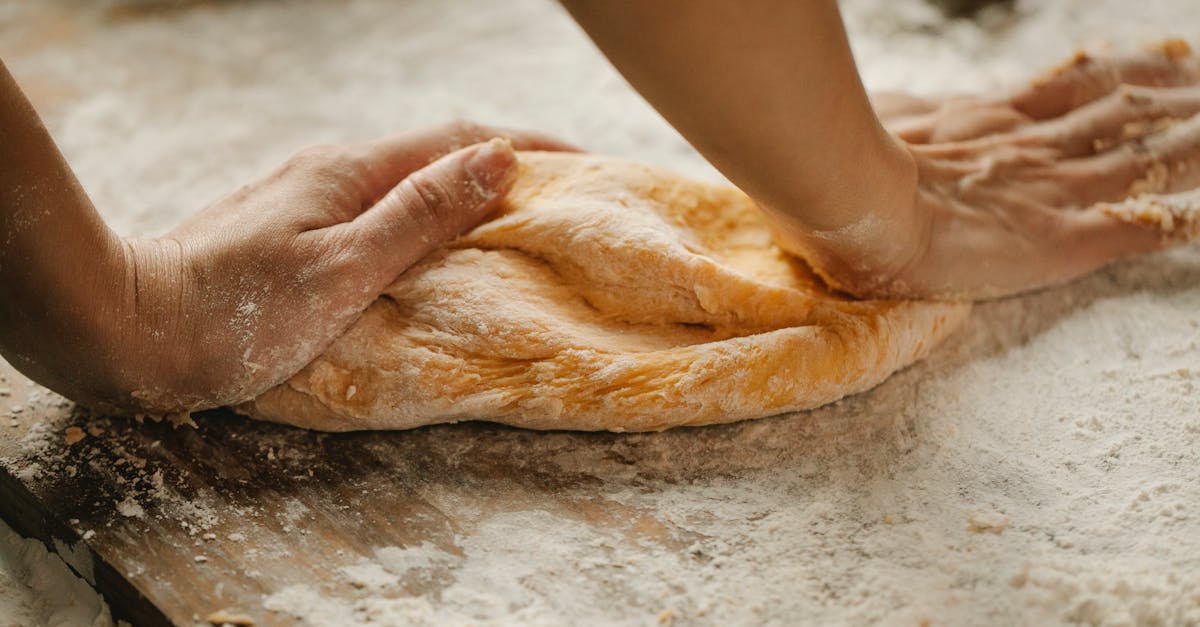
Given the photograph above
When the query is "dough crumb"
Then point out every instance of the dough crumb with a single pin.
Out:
(130, 508)
(1176, 215)
(1174, 48)
(74, 435)
(179, 419)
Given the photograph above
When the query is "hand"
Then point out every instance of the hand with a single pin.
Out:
(1082, 167)
(247, 292)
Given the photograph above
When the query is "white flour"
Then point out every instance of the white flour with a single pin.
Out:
(37, 588)
(1042, 468)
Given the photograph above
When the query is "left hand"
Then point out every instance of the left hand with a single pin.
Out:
(248, 291)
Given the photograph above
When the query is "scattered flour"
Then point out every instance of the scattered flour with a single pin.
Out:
(130, 508)
(1040, 469)
(37, 588)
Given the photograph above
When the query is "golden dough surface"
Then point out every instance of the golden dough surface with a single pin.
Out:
(605, 295)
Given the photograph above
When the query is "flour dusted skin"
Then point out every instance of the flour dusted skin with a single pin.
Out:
(605, 295)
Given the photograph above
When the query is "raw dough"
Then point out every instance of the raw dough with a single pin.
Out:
(605, 295)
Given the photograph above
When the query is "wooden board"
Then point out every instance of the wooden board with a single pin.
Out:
(171, 524)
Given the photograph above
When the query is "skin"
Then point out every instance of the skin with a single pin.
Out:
(964, 198)
(957, 198)
(243, 294)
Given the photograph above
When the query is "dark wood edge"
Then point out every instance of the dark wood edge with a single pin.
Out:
(24, 513)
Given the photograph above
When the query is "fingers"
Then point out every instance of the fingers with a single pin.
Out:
(389, 160)
(1096, 237)
(1127, 113)
(891, 106)
(957, 125)
(1164, 162)
(1175, 218)
(1111, 231)
(434, 204)
(1088, 240)
(1084, 78)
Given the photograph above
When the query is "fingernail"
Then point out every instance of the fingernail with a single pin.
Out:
(493, 164)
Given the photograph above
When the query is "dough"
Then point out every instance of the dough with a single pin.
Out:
(605, 295)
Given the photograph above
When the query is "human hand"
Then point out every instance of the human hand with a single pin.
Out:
(248, 291)
(1090, 163)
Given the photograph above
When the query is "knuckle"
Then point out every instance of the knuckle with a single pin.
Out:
(314, 155)
(324, 159)
(344, 253)
(431, 202)
(331, 166)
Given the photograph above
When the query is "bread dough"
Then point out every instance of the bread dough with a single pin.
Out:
(605, 295)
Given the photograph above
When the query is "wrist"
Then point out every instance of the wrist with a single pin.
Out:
(868, 229)
(169, 364)
(872, 179)
(81, 334)
(143, 364)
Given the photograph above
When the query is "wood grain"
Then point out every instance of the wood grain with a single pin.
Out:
(171, 524)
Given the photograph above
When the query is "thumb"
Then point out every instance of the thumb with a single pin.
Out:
(436, 203)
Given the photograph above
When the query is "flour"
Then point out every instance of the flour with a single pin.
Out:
(37, 588)
(130, 508)
(1039, 469)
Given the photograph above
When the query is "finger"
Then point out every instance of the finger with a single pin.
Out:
(435, 204)
(955, 126)
(1175, 218)
(1165, 162)
(1093, 238)
(983, 161)
(388, 160)
(1089, 240)
(947, 118)
(1127, 113)
(1085, 78)
(891, 106)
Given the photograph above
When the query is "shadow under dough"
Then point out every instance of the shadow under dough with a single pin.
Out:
(870, 432)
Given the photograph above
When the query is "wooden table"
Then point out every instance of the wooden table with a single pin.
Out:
(173, 523)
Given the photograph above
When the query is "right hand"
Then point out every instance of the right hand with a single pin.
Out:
(1037, 188)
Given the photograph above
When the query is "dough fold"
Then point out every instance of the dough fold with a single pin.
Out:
(605, 295)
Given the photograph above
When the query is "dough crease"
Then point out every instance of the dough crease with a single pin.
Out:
(605, 295)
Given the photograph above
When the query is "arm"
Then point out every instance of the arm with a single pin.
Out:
(768, 91)
(63, 279)
(985, 197)
(240, 296)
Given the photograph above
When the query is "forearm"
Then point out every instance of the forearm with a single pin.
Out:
(767, 90)
(62, 271)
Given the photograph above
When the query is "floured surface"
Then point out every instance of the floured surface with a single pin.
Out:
(1039, 468)
(606, 295)
(38, 588)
